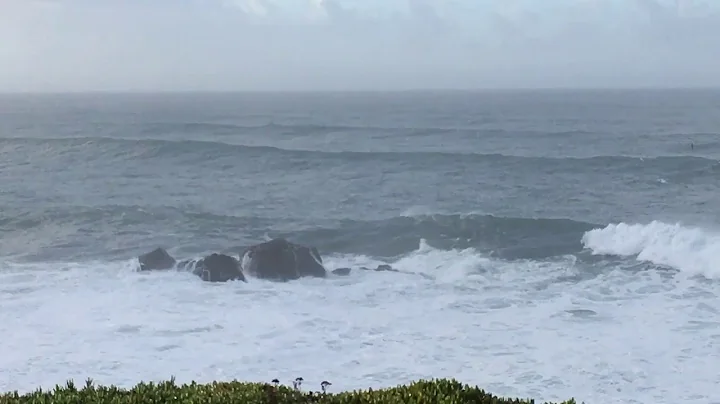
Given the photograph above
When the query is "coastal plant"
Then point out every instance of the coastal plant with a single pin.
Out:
(435, 391)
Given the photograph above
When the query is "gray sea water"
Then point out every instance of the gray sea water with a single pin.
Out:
(569, 240)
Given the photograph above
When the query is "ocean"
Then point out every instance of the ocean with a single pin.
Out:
(553, 244)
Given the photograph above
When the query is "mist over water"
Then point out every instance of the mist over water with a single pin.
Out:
(551, 244)
(241, 45)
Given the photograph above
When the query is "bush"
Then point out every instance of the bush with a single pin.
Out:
(421, 392)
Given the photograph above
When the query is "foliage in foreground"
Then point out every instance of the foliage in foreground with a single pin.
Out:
(421, 392)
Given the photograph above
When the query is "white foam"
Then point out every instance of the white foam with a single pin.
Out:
(448, 266)
(514, 328)
(417, 211)
(245, 262)
(689, 249)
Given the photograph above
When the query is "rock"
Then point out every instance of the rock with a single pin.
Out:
(157, 259)
(386, 267)
(277, 259)
(281, 260)
(341, 271)
(381, 268)
(218, 268)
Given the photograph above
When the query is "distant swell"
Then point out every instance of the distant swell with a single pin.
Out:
(201, 150)
(205, 128)
(685, 248)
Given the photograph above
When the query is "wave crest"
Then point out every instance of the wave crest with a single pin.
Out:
(687, 249)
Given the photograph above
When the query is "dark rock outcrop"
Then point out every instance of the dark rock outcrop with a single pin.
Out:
(157, 259)
(219, 268)
(281, 260)
(277, 259)
(212, 268)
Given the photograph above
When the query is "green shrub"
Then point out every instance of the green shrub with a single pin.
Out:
(439, 391)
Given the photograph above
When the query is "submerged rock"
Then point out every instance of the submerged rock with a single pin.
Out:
(379, 268)
(341, 271)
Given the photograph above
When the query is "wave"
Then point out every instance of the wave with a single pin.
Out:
(689, 249)
(452, 265)
(149, 148)
(461, 270)
(448, 248)
(503, 237)
(65, 230)
(205, 128)
(705, 140)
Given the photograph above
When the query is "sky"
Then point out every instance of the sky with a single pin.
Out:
(286, 45)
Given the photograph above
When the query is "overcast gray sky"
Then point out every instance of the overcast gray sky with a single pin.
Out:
(186, 45)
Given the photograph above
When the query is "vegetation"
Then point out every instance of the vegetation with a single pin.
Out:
(440, 391)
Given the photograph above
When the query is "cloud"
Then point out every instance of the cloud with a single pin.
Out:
(80, 45)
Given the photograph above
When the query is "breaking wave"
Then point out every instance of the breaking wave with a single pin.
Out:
(684, 248)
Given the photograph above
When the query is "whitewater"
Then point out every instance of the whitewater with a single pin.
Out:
(526, 270)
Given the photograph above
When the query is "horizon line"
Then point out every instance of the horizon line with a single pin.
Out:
(367, 91)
